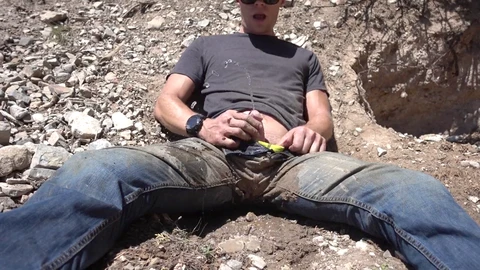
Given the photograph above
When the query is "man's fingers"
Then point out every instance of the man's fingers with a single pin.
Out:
(323, 145)
(228, 143)
(316, 145)
(244, 125)
(238, 133)
(286, 140)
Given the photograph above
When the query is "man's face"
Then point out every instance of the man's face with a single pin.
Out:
(259, 18)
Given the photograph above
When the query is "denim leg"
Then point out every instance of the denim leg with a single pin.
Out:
(413, 211)
(76, 216)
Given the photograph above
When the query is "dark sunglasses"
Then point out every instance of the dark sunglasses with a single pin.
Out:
(268, 2)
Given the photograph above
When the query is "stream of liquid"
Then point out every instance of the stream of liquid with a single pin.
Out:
(249, 79)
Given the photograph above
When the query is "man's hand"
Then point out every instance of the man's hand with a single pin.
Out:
(303, 140)
(230, 126)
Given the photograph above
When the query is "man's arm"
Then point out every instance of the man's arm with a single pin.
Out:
(171, 110)
(313, 136)
(319, 113)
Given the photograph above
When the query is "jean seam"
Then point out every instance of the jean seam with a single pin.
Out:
(377, 214)
(67, 255)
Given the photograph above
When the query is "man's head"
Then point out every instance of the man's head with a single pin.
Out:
(259, 16)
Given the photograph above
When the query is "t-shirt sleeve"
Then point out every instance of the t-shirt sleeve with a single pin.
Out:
(191, 63)
(315, 80)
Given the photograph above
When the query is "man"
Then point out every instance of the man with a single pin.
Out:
(258, 91)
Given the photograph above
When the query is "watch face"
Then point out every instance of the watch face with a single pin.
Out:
(194, 124)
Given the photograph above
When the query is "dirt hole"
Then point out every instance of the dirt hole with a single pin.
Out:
(431, 86)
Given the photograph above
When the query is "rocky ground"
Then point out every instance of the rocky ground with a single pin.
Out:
(403, 77)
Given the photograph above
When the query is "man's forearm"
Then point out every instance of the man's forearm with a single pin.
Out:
(322, 124)
(172, 113)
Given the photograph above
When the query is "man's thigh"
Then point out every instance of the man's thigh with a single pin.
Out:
(336, 178)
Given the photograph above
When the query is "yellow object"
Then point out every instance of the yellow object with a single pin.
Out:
(274, 147)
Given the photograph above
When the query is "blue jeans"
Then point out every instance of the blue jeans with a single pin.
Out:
(77, 215)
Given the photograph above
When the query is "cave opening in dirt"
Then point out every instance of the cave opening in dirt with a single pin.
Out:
(424, 87)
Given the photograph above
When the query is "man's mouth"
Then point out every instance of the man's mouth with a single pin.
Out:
(259, 16)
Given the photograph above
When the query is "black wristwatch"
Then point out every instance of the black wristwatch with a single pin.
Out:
(194, 124)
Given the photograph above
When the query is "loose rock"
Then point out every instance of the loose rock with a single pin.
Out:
(13, 158)
(121, 122)
(49, 157)
(83, 126)
(15, 190)
(257, 261)
(52, 16)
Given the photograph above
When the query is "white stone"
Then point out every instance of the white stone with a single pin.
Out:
(470, 163)
(224, 267)
(38, 117)
(235, 265)
(83, 126)
(155, 23)
(381, 152)
(186, 42)
(203, 23)
(97, 5)
(300, 41)
(473, 199)
(257, 261)
(362, 245)
(121, 122)
(318, 239)
(319, 25)
(99, 144)
(432, 137)
(111, 78)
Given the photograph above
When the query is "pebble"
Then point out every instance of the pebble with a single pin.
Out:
(40, 174)
(99, 144)
(25, 41)
(387, 254)
(52, 16)
(83, 126)
(14, 191)
(473, 199)
(111, 78)
(471, 163)
(156, 23)
(14, 158)
(235, 265)
(250, 217)
(203, 23)
(362, 245)
(381, 152)
(121, 122)
(432, 137)
(186, 42)
(257, 261)
(224, 267)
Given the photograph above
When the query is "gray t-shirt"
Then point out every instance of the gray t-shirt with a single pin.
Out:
(228, 69)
